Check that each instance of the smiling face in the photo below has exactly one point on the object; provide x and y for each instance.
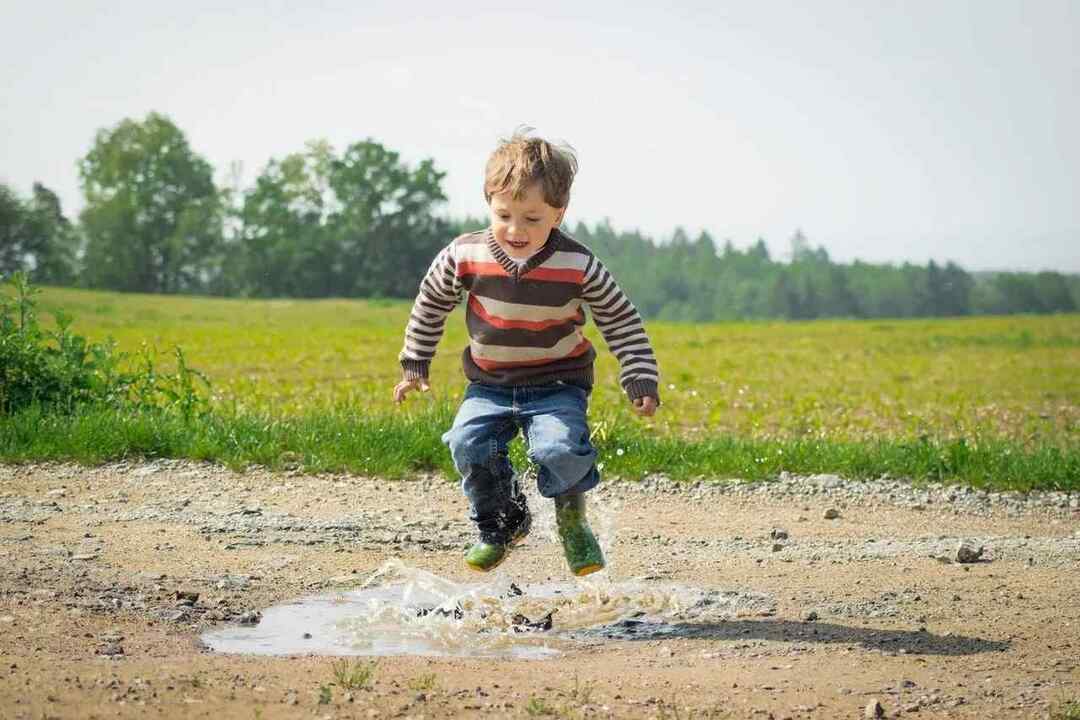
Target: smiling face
(521, 226)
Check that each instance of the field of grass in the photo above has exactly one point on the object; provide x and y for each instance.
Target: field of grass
(1004, 386)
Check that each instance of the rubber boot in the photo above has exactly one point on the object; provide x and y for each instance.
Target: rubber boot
(583, 553)
(497, 536)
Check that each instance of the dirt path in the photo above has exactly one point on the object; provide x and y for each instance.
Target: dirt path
(864, 607)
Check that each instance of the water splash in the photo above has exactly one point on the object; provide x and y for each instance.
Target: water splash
(402, 610)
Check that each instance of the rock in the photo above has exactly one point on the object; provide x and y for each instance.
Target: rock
(968, 552)
(873, 710)
(251, 617)
(778, 533)
(777, 547)
(810, 616)
(187, 596)
(113, 649)
(831, 514)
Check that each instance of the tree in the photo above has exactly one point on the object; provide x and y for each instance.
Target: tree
(153, 217)
(359, 224)
(55, 260)
(35, 237)
(13, 232)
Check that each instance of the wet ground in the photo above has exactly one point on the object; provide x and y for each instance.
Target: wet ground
(185, 590)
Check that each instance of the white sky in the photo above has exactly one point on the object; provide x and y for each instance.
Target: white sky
(888, 131)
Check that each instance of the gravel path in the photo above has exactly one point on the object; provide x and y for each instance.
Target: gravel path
(934, 599)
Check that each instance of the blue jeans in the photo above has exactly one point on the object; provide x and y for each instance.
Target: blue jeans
(552, 419)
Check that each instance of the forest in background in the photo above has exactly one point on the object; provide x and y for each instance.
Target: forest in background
(363, 223)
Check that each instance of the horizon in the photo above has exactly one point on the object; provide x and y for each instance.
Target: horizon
(890, 135)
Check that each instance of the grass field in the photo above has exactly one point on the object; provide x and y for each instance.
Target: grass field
(1010, 384)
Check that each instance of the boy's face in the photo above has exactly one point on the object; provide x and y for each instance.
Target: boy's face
(521, 227)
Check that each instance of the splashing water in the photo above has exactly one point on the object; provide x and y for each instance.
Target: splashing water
(401, 610)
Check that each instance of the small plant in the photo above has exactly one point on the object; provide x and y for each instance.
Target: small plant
(325, 695)
(424, 682)
(581, 693)
(1068, 710)
(353, 674)
(670, 711)
(58, 370)
(538, 706)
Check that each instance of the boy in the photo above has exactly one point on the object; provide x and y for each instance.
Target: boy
(530, 366)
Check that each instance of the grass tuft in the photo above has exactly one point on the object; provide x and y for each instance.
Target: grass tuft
(1068, 710)
(353, 674)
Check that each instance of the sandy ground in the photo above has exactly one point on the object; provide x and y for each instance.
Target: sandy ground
(95, 564)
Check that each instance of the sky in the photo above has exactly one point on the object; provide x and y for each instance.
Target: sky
(886, 131)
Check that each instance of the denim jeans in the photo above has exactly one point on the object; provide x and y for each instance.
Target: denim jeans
(552, 419)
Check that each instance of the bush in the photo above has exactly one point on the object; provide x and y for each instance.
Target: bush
(58, 370)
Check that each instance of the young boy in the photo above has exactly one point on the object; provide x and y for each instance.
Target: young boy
(530, 366)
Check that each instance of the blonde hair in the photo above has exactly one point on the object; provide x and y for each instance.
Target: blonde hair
(523, 160)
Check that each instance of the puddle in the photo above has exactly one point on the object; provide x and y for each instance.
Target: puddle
(402, 610)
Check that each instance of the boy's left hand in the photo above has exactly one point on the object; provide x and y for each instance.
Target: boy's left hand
(645, 406)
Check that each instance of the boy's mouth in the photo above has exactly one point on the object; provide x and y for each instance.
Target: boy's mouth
(517, 243)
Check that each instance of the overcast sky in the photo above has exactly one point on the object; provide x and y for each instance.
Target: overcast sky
(887, 131)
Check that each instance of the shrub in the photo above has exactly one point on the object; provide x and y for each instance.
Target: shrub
(58, 370)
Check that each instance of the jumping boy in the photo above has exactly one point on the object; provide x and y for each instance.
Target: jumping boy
(530, 366)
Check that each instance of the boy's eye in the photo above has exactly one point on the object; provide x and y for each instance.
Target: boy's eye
(533, 220)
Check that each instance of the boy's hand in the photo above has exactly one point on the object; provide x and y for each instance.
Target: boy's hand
(404, 387)
(645, 406)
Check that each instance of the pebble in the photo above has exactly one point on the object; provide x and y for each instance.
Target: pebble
(810, 616)
(968, 552)
(874, 709)
(778, 533)
(113, 649)
(831, 514)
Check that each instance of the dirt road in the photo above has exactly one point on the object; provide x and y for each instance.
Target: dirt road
(109, 576)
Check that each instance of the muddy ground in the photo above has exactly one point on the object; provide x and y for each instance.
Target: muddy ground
(109, 576)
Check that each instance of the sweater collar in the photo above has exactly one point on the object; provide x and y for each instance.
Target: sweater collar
(516, 269)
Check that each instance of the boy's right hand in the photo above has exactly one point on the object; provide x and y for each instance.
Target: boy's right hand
(404, 387)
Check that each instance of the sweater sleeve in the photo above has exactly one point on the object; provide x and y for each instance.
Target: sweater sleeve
(620, 324)
(440, 292)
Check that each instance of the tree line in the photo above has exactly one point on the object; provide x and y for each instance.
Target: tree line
(363, 223)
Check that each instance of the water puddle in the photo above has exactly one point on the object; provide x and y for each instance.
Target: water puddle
(401, 610)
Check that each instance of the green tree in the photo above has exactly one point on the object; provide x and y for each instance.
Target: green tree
(36, 238)
(14, 250)
(153, 216)
(359, 224)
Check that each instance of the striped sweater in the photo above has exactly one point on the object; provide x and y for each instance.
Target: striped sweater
(525, 320)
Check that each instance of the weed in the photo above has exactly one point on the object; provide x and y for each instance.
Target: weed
(1068, 710)
(59, 371)
(353, 674)
(580, 693)
(424, 682)
(538, 706)
(325, 696)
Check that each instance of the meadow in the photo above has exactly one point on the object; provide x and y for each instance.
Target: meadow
(964, 398)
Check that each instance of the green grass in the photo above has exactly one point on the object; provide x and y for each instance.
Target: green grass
(352, 674)
(993, 402)
(395, 445)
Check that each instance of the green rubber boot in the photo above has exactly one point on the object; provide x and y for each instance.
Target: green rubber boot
(583, 553)
(493, 547)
